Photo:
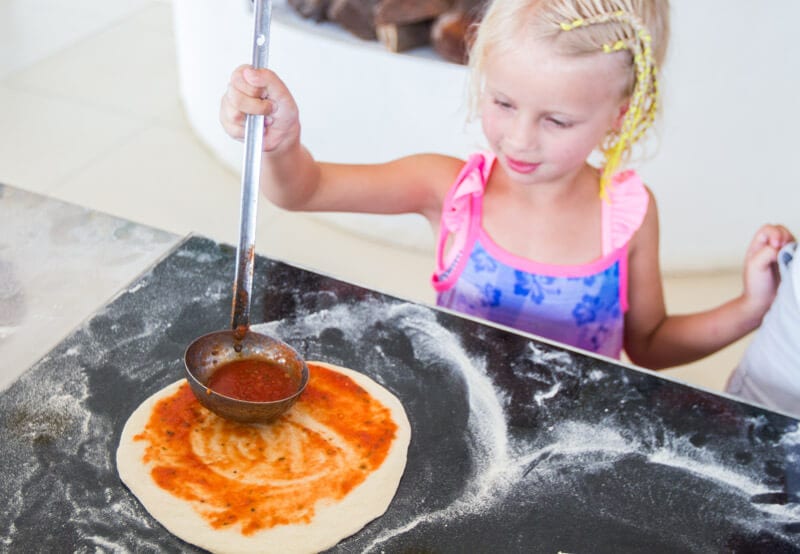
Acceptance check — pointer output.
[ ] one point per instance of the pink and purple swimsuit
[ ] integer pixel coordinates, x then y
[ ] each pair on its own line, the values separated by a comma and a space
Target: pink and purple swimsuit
580, 305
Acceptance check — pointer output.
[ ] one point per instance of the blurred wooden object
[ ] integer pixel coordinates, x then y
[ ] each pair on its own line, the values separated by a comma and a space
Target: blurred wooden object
311, 9
409, 11
399, 38
450, 35
357, 16
403, 24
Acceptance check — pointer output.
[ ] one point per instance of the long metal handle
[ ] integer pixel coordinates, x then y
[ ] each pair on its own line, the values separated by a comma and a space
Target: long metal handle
253, 142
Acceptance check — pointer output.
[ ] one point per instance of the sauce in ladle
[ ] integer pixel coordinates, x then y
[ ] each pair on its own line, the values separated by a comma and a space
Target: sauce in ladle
252, 380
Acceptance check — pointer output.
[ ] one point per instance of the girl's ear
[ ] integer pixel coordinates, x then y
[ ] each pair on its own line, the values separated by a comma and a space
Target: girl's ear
623, 109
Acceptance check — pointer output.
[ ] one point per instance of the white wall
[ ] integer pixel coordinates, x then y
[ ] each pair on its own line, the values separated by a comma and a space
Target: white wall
729, 133
724, 153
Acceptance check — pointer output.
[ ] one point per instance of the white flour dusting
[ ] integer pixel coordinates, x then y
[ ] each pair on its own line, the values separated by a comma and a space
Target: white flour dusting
501, 461
53, 407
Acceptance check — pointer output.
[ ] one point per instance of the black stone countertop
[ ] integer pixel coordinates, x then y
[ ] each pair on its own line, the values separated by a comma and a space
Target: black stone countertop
517, 445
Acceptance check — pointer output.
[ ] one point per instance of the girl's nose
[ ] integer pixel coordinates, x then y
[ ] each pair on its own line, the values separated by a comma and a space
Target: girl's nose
523, 134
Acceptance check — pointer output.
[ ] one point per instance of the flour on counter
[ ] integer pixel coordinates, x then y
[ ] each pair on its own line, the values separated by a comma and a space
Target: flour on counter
578, 445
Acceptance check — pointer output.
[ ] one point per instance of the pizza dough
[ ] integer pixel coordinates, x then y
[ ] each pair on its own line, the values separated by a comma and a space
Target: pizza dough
328, 467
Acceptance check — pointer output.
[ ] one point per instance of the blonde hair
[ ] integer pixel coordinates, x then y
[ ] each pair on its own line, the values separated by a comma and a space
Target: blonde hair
581, 27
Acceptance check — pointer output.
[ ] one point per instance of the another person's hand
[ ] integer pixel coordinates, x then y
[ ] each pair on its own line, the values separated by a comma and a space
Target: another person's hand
260, 92
761, 276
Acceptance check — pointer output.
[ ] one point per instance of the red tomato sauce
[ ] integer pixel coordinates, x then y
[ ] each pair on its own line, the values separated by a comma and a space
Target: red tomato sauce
253, 380
254, 477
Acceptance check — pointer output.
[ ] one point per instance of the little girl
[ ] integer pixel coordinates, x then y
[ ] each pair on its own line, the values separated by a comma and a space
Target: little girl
530, 234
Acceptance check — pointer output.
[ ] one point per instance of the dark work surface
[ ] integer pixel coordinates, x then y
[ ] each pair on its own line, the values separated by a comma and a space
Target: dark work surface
517, 445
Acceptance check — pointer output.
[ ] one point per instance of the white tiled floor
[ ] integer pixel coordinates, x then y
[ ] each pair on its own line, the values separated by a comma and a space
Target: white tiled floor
90, 113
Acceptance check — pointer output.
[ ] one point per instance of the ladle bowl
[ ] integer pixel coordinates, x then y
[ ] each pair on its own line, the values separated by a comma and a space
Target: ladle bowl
212, 351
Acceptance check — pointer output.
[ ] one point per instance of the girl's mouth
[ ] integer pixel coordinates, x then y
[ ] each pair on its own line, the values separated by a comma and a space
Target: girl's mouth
521, 167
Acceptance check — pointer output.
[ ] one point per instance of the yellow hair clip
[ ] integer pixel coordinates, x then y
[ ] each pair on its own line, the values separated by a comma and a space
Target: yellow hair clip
617, 46
573, 25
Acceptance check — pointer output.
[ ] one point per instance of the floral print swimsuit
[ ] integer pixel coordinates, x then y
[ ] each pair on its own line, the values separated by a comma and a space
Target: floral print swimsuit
580, 305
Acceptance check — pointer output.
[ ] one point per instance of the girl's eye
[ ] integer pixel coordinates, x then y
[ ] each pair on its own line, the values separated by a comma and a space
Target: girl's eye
502, 103
559, 123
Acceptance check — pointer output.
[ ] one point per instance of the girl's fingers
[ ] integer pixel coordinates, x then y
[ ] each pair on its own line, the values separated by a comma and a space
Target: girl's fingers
232, 120
248, 104
247, 94
765, 256
776, 236
786, 235
251, 82
760, 239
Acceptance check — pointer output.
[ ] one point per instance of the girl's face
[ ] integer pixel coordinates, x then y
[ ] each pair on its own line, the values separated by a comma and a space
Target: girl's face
543, 113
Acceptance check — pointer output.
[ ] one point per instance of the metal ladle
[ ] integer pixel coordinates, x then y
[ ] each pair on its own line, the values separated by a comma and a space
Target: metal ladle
209, 352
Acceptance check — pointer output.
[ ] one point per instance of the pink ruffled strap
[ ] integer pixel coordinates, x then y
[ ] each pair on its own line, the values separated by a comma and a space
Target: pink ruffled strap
624, 212
457, 212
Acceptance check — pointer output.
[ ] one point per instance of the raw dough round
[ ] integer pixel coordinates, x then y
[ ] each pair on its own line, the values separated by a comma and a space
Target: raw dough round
327, 521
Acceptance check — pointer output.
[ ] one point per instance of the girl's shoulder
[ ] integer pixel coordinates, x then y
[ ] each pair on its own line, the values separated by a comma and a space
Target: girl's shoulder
628, 208
628, 192
436, 164
640, 221
430, 166
432, 173
473, 174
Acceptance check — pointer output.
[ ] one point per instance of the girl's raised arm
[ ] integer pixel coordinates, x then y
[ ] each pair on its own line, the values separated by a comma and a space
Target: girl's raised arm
656, 340
291, 177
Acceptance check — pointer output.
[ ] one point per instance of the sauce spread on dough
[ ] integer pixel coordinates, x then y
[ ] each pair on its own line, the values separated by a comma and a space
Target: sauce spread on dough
252, 380
258, 476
